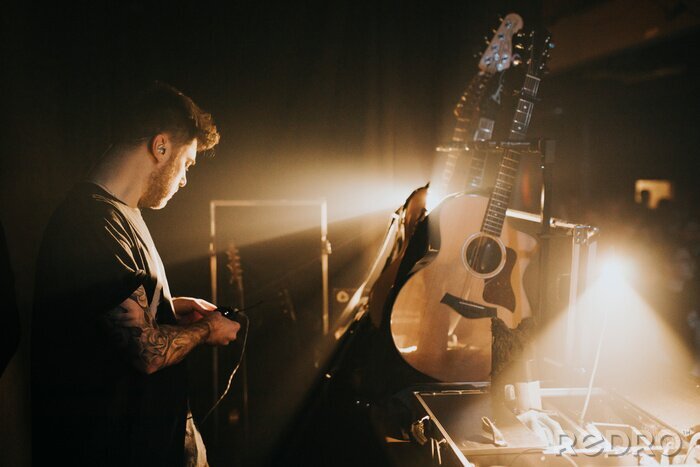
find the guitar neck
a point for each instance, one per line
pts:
(465, 113)
(508, 170)
(465, 131)
(500, 196)
(468, 106)
(523, 111)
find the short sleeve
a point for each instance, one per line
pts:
(88, 259)
(9, 313)
(108, 268)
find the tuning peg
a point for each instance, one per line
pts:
(551, 45)
(486, 40)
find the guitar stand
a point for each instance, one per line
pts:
(531, 146)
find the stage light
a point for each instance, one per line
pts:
(615, 270)
(432, 200)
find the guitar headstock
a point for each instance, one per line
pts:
(498, 55)
(539, 51)
(233, 264)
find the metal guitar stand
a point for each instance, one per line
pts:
(324, 250)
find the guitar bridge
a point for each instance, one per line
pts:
(471, 310)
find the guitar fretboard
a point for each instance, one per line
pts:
(523, 111)
(508, 170)
(465, 112)
(500, 196)
(468, 106)
(476, 169)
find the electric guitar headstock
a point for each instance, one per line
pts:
(497, 57)
(233, 264)
(539, 51)
(287, 304)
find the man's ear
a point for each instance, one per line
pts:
(159, 147)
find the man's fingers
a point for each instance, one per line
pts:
(204, 306)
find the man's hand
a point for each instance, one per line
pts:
(153, 346)
(222, 330)
(189, 310)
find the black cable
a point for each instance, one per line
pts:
(232, 314)
(238, 363)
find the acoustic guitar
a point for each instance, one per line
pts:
(497, 57)
(441, 318)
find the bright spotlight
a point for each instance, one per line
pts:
(615, 270)
(433, 199)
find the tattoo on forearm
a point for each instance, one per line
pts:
(152, 346)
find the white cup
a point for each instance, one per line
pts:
(524, 395)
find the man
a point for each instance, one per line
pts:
(108, 340)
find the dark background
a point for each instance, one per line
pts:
(338, 100)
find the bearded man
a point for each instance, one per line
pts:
(108, 339)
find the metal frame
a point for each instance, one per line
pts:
(325, 251)
(325, 244)
(583, 242)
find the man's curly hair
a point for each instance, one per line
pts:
(163, 109)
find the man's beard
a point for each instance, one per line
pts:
(159, 186)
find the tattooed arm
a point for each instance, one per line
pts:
(153, 346)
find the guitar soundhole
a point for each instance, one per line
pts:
(484, 255)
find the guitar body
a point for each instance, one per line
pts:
(440, 321)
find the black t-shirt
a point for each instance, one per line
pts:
(89, 404)
(9, 314)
